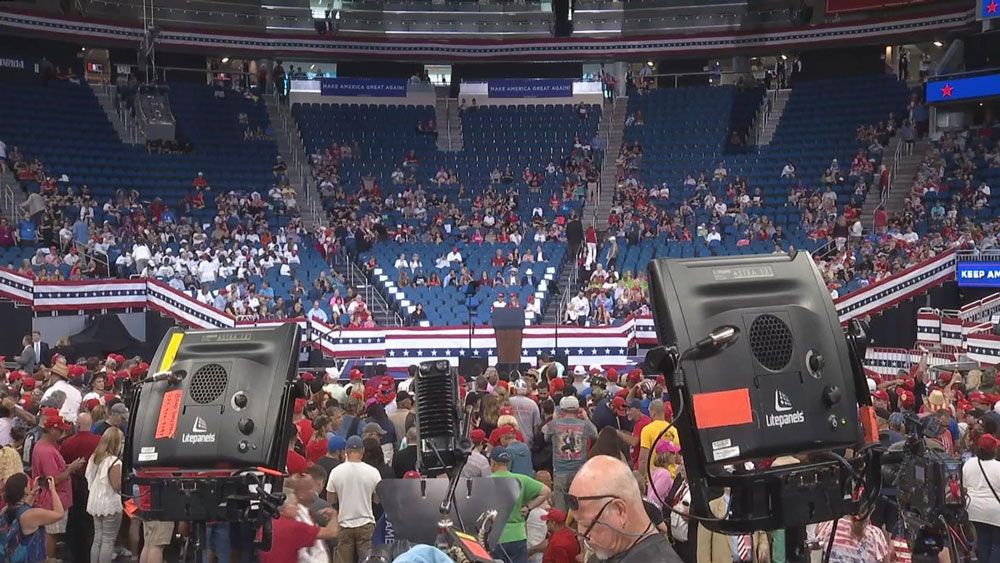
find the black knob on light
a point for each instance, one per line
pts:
(832, 395)
(243, 447)
(816, 362)
(240, 400)
(245, 425)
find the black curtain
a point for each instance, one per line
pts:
(156, 329)
(377, 69)
(59, 53)
(17, 323)
(682, 66)
(104, 334)
(896, 327)
(841, 61)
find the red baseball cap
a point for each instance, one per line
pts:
(909, 383)
(978, 397)
(619, 405)
(477, 435)
(412, 474)
(356, 374)
(612, 375)
(56, 422)
(91, 403)
(944, 377)
(881, 395)
(28, 382)
(554, 515)
(634, 376)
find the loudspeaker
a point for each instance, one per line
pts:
(225, 404)
(471, 368)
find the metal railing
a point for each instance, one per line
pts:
(91, 253)
(372, 294)
(884, 194)
(10, 206)
(763, 116)
(570, 289)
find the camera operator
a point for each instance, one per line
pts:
(981, 474)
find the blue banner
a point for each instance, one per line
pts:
(963, 88)
(17, 63)
(978, 274)
(531, 88)
(376, 87)
(990, 9)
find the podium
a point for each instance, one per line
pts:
(508, 327)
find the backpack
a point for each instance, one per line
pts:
(15, 546)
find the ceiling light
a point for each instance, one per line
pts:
(649, 64)
(784, 57)
(312, 66)
(225, 60)
(938, 44)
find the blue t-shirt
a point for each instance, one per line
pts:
(570, 437)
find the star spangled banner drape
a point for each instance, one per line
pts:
(403, 346)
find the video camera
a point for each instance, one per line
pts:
(931, 495)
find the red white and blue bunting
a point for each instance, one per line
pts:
(403, 346)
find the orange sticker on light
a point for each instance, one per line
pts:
(170, 412)
(722, 408)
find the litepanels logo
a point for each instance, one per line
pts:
(199, 433)
(782, 404)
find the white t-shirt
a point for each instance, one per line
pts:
(983, 506)
(71, 407)
(354, 484)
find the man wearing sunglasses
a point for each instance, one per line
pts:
(611, 518)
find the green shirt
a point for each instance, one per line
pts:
(514, 530)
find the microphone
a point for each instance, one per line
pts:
(716, 341)
(174, 377)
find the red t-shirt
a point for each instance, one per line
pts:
(316, 449)
(305, 430)
(79, 446)
(637, 432)
(287, 538)
(46, 461)
(295, 463)
(563, 547)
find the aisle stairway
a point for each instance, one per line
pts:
(110, 107)
(906, 172)
(291, 149)
(774, 117)
(612, 130)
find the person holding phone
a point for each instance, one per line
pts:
(24, 524)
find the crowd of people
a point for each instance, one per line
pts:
(600, 468)
(226, 264)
